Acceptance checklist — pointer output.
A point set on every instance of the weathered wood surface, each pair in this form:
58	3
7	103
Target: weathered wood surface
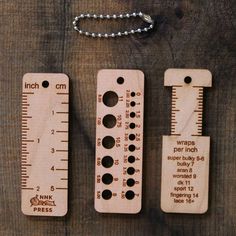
37	36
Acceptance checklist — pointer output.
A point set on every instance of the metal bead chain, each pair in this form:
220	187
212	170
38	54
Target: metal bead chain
143	16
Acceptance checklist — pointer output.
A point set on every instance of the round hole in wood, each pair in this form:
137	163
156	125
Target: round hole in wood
108	142
45	83
132	137
188	80
106	194
131	148
131	159
120	80
110	99
107	161
130	182
130	170
129	195
132	104
132	125
107	178
132	114
109	121
132	94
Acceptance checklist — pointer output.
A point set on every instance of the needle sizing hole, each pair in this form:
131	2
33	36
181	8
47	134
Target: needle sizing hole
106	194
130	170
129	195
107	161
132	137
130	182
110	99
108	142
107	178
132	125
131	159
109	121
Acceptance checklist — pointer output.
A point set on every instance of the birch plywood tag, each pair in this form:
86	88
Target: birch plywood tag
119	138
45	105
185	157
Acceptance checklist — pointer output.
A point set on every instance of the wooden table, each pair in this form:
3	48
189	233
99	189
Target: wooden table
37	36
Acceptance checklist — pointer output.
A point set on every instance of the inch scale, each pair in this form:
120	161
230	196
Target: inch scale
185	156
44	159
119	141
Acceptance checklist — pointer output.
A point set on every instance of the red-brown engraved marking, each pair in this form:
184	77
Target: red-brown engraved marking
62	112
36	202
27	93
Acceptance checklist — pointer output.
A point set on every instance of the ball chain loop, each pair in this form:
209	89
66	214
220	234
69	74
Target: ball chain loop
146	18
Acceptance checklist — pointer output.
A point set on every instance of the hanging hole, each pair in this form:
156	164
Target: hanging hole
109	121
120	80
107	179
129	195
188	80
107	161
106	194
108	142
110	99
45	83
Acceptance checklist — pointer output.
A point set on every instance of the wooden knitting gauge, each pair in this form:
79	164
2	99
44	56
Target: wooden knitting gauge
44	168
119	141
185	156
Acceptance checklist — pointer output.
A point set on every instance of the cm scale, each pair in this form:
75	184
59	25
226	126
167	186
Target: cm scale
44	168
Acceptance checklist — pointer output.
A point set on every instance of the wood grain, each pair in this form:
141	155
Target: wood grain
185	153
37	36
44	151
118	185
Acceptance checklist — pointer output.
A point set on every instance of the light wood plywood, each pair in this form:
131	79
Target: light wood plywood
185	155
119	141
44	156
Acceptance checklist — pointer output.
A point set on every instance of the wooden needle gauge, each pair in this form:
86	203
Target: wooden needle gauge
119	141
185	155
44	168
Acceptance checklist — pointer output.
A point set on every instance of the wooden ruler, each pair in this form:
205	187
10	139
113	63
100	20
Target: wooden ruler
185	156
44	168
119	141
